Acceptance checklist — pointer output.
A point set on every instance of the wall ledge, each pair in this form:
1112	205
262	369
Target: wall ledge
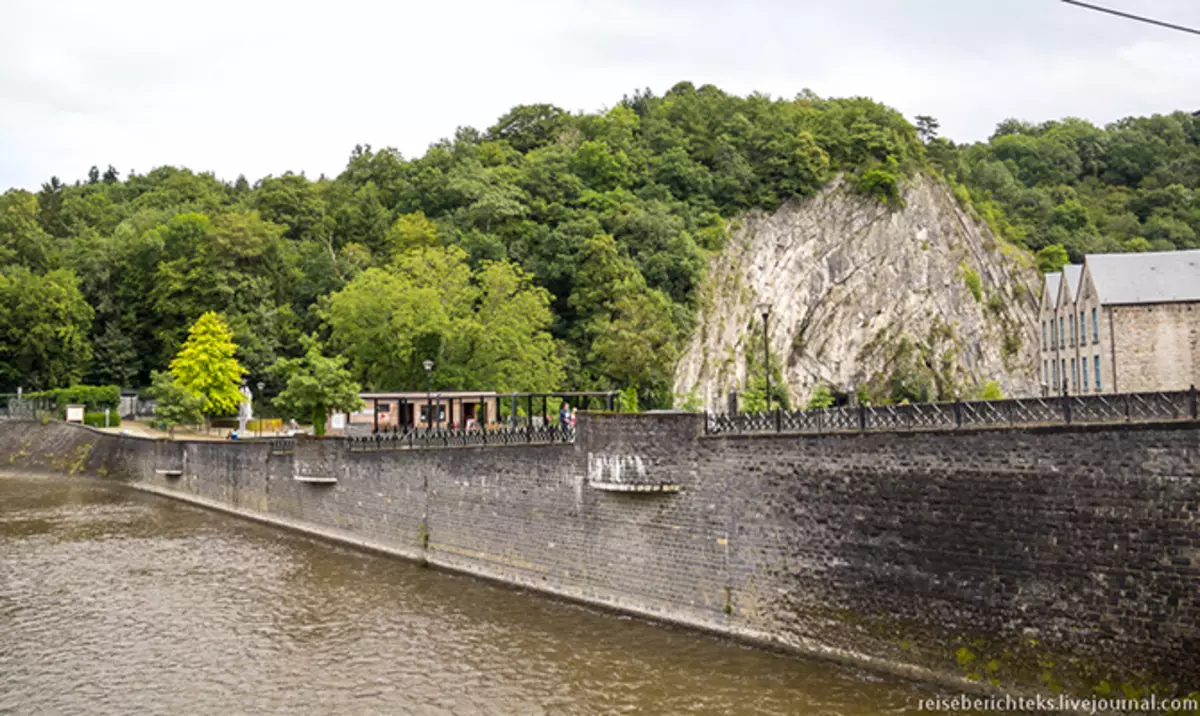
315	479
634	487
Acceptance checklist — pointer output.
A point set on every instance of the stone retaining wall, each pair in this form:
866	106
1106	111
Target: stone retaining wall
1026	559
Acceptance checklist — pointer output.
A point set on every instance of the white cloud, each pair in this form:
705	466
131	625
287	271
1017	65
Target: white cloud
264	87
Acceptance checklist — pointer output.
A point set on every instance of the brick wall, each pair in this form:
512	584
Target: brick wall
1068	555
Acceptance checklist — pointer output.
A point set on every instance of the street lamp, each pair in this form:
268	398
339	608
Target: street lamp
428	364
766	315
261	385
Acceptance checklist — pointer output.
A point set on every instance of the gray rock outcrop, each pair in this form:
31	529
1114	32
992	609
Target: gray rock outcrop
867	297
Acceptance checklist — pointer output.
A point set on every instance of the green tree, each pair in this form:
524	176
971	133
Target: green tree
206	366
927	128
1052	258
411	231
315	385
639	344
486	329
173	404
44	327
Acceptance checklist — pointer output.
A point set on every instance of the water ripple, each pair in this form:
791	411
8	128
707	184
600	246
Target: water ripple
114	602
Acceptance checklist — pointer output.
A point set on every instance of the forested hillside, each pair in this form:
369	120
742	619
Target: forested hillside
1067	188
552	250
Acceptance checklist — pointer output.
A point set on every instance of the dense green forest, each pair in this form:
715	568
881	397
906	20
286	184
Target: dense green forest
553	250
1068	188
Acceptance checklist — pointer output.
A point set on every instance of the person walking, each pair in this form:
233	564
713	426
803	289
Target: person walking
564	416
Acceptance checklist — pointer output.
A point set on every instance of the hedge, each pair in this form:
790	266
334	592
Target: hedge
96	420
95	397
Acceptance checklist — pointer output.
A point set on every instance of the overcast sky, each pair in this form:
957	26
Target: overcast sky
256	88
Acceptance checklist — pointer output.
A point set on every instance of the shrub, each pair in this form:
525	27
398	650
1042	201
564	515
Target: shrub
881	183
96	419
991	391
821	397
974	284
95	397
1052	258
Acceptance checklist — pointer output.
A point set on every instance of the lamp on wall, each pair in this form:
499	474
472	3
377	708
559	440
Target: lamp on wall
428	365
261	386
765	309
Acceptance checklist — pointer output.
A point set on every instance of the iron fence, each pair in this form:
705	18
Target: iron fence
1063	410
445	437
14	407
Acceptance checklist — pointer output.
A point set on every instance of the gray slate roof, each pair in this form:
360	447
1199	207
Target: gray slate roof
1156	277
1052	281
1073	272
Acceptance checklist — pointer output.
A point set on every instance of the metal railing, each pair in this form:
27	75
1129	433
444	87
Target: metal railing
13	407
445	437
1062	410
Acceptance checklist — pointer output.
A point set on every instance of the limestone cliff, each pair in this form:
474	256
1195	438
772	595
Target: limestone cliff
890	300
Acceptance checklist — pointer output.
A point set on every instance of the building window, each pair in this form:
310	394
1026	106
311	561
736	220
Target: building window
1083	371
1064	374
1062	333
1082	329
1053	333
1074	375
1097	373
440	411
1072	328
1054	385
1043	335
1045	372
1096	336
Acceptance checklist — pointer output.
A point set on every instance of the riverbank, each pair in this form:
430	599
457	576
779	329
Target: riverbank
968	558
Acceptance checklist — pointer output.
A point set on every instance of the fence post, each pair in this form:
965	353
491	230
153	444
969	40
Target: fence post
1192	396
862	417
778	420
1066	408
957	413
820	416
1128	417
706	422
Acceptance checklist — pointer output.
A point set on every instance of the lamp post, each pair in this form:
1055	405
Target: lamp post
766	315
261	385
428	364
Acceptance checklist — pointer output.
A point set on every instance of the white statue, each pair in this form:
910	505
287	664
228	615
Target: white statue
246	409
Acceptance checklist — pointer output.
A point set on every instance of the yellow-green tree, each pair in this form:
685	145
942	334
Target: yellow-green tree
206	366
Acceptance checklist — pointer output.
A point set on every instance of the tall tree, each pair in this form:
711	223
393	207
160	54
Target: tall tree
206	366
315	385
927	128
173	404
44	326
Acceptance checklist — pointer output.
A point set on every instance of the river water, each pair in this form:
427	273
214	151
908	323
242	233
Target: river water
117	602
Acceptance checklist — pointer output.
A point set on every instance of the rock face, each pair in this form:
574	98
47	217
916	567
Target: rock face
919	300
